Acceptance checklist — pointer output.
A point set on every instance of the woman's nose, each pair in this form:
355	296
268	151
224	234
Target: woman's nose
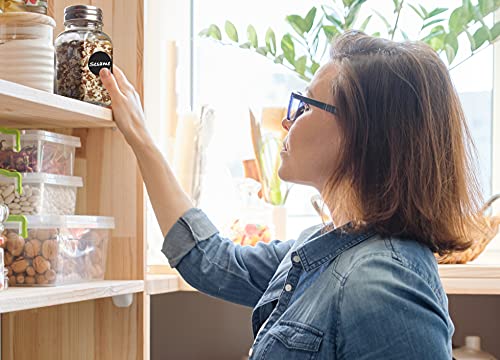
286	124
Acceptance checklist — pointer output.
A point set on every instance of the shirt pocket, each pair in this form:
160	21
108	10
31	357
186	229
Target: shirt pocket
292	340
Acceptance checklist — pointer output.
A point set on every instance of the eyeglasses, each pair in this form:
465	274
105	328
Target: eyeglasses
298	102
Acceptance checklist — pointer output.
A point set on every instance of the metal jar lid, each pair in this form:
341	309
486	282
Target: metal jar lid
82	12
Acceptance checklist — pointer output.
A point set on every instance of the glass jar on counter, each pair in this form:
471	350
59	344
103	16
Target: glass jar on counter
82	50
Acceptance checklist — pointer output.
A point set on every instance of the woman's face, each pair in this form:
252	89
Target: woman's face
311	148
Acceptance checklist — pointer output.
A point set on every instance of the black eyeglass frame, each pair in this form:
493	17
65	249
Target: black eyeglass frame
306	100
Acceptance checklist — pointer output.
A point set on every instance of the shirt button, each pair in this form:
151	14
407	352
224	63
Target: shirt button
296	259
288	287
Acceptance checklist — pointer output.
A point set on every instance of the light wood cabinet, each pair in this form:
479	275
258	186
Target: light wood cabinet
81	321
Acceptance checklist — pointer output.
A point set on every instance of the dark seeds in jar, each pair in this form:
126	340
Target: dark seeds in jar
74	78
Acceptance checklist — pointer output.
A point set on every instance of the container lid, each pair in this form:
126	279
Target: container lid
52	179
34	135
83	12
65	221
26	18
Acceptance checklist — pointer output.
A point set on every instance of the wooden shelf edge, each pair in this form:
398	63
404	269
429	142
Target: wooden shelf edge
24	298
24	107
471	286
466	271
161	283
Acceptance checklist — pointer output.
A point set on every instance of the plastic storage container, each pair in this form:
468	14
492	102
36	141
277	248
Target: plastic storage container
27	49
4	213
58	250
40	151
42	193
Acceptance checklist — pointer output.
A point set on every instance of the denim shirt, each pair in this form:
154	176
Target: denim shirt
327	295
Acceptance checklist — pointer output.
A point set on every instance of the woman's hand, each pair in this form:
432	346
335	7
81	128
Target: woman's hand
126	105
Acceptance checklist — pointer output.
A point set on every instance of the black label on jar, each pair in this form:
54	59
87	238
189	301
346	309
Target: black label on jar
98	61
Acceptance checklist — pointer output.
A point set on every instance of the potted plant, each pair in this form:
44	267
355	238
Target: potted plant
301	50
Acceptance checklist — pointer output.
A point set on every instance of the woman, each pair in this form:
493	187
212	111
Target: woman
381	134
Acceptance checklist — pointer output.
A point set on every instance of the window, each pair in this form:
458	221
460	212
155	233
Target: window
231	80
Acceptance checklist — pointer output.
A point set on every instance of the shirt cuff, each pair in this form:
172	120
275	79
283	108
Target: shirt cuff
192	227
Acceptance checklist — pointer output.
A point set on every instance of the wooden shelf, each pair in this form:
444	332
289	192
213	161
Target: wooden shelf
162	284
470	279
23	298
23	107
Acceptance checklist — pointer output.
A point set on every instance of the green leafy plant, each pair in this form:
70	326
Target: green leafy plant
302	49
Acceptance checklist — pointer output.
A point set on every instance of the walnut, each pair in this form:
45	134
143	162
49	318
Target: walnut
15	244
29	280
57	263
30	271
20	279
50	275
46	234
12	280
41	279
41	265
32	248
49	249
9	271
8	258
20	265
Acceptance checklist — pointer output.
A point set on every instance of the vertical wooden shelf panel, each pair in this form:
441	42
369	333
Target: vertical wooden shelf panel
97	329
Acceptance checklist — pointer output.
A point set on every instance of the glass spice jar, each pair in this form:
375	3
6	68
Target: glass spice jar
82	50
37	6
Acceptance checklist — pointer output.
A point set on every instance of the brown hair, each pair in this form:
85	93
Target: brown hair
406	161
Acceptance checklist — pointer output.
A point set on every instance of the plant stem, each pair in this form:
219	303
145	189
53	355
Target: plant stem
471	55
397	19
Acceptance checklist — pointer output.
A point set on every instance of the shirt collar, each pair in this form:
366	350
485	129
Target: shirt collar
324	247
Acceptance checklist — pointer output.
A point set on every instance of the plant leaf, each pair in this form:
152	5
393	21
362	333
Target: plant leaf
471	40
436	11
382	17
422	16
271	41
352	15
486	6
288	48
436	38
314	67
300	65
333	17
231	31
424	11
297	23
365	23
435	21
252	36
246	45
495	31
450	53
376	34
279	59
214	31
262	50
457	20
481	36
309	19
330	31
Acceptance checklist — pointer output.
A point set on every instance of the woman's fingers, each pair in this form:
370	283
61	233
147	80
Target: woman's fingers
121	79
109	82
